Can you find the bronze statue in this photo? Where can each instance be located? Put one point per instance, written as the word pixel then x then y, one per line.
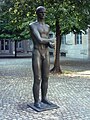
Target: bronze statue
pixel 40 56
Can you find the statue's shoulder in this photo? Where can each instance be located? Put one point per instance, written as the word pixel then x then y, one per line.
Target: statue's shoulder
pixel 47 26
pixel 32 24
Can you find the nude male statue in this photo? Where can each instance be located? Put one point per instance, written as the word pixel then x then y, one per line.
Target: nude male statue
pixel 40 56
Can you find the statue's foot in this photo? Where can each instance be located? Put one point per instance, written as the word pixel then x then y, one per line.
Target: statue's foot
pixel 46 102
pixel 37 105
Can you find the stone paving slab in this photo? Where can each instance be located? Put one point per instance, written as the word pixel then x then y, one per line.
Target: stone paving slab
pixel 70 93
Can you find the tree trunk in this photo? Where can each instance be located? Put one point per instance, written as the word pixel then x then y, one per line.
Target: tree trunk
pixel 56 68
pixel 15 48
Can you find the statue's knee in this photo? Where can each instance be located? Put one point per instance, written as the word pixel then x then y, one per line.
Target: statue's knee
pixel 37 82
pixel 45 79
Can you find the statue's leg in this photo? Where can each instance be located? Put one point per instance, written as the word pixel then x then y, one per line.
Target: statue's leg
pixel 45 76
pixel 36 65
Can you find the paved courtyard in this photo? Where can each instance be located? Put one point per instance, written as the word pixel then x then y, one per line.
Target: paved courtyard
pixel 70 91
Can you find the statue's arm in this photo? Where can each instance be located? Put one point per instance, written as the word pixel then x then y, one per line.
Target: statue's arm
pixel 51 45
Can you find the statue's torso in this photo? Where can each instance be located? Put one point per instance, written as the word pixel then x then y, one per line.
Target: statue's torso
pixel 43 30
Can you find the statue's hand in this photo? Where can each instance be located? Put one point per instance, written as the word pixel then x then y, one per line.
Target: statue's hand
pixel 51 45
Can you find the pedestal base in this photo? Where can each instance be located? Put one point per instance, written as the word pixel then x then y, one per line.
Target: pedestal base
pixel 43 107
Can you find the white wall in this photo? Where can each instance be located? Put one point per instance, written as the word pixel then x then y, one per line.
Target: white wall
pixel 75 50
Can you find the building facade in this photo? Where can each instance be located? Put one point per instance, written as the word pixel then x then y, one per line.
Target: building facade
pixel 73 45
pixel 7 47
pixel 76 45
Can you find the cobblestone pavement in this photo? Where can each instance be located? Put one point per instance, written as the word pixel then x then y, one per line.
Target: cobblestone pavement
pixel 71 93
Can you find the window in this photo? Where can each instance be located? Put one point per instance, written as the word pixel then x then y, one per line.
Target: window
pixel 50 35
pixel 78 38
pixel 19 45
pixel 4 44
pixel 63 39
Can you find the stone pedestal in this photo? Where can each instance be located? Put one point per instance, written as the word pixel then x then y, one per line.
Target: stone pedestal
pixel 43 107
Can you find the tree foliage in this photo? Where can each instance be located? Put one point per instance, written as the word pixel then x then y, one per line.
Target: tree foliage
pixel 16 15
pixel 72 14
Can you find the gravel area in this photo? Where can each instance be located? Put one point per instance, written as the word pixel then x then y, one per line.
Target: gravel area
pixel 70 91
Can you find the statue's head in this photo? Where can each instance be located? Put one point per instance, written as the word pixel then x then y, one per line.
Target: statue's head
pixel 40 11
